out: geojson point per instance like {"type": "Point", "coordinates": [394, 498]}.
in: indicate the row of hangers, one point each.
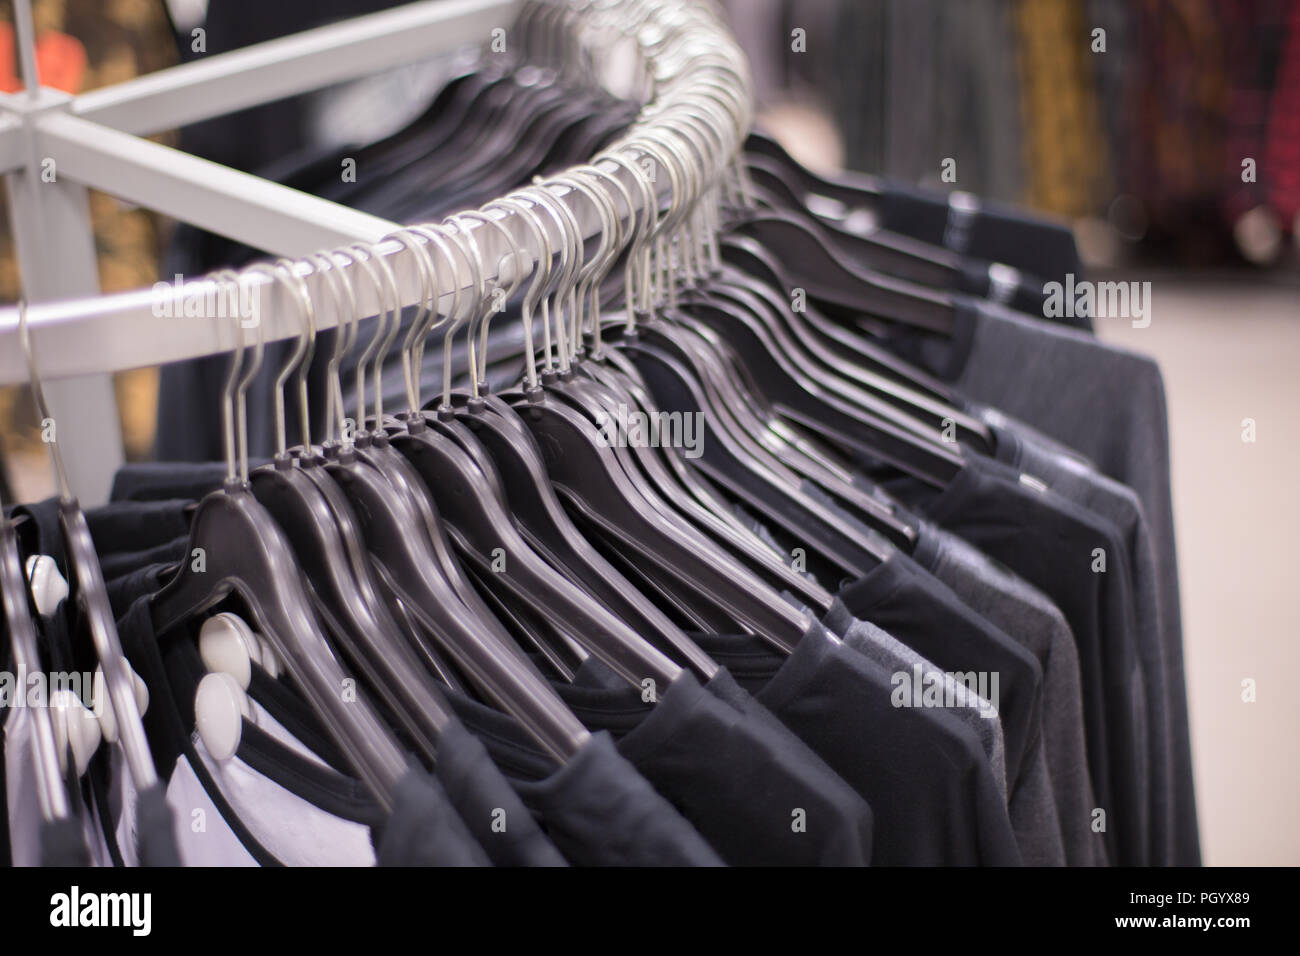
{"type": "Point", "coordinates": [485, 538]}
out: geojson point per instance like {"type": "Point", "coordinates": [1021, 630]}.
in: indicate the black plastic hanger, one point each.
{"type": "Point", "coordinates": [601, 483]}
{"type": "Point", "coordinates": [813, 265]}
{"type": "Point", "coordinates": [246, 554]}
{"type": "Point", "coordinates": [16, 614]}
{"type": "Point", "coordinates": [899, 256]}
{"type": "Point", "coordinates": [313, 516]}
{"type": "Point", "coordinates": [850, 190]}
{"type": "Point", "coordinates": [482, 527]}
{"type": "Point", "coordinates": [415, 565]}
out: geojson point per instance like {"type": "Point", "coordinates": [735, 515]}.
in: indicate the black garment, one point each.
{"type": "Point", "coordinates": [1050, 543]}
{"type": "Point", "coordinates": [480, 794]}
{"type": "Point", "coordinates": [63, 843]}
{"type": "Point", "coordinates": [596, 808]}
{"type": "Point", "coordinates": [901, 598]}
{"type": "Point", "coordinates": [155, 481]}
{"type": "Point", "coordinates": [122, 563]}
{"type": "Point", "coordinates": [124, 590]}
{"type": "Point", "coordinates": [493, 812]}
{"type": "Point", "coordinates": [906, 601]}
{"type": "Point", "coordinates": [424, 830]}
{"type": "Point", "coordinates": [114, 528]}
{"type": "Point", "coordinates": [1109, 404]}
{"type": "Point", "coordinates": [925, 775]}
{"type": "Point", "coordinates": [601, 812]}
{"type": "Point", "coordinates": [742, 780]}
{"type": "Point", "coordinates": [155, 829]}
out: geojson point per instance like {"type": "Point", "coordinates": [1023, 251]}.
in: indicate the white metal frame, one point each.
{"type": "Point", "coordinates": [54, 146]}
{"type": "Point", "coordinates": [94, 141]}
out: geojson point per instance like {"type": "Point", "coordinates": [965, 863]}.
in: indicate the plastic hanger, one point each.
{"type": "Point", "coordinates": [851, 191]}
{"type": "Point", "coordinates": [676, 484]}
{"type": "Point", "coordinates": [870, 364]}
{"type": "Point", "coordinates": [601, 408]}
{"type": "Point", "coordinates": [813, 265]}
{"type": "Point", "coordinates": [90, 597]}
{"type": "Point", "coordinates": [52, 796]}
{"type": "Point", "coordinates": [401, 539]}
{"type": "Point", "coordinates": [246, 555]}
{"type": "Point", "coordinates": [481, 526]}
{"type": "Point", "coordinates": [899, 256]}
{"type": "Point", "coordinates": [728, 459]}
{"type": "Point", "coordinates": [537, 511]}
{"type": "Point", "coordinates": [334, 564]}
{"type": "Point", "coordinates": [596, 487]}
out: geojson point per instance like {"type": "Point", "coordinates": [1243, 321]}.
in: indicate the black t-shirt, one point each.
{"type": "Point", "coordinates": [905, 600]}
{"type": "Point", "coordinates": [114, 527]}
{"type": "Point", "coordinates": [156, 828]}
{"type": "Point", "coordinates": [755, 791]}
{"type": "Point", "coordinates": [154, 481]}
{"type": "Point", "coordinates": [63, 843]}
{"type": "Point", "coordinates": [494, 813]}
{"type": "Point", "coordinates": [596, 808]}
{"type": "Point", "coordinates": [1051, 543]}
{"type": "Point", "coordinates": [117, 564]}
{"type": "Point", "coordinates": [424, 829]}
{"type": "Point", "coordinates": [925, 775]}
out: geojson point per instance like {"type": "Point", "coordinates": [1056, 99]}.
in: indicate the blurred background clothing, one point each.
{"type": "Point", "coordinates": [1169, 128]}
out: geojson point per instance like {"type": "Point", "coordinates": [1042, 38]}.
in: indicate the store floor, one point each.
{"type": "Point", "coordinates": [1228, 354]}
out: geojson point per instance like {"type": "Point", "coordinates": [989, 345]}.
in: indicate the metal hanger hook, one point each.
{"type": "Point", "coordinates": [38, 396]}
{"type": "Point", "coordinates": [634, 293]}
{"type": "Point", "coordinates": [462, 237]}
{"type": "Point", "coordinates": [541, 276]}
{"type": "Point", "coordinates": [478, 330]}
{"type": "Point", "coordinates": [428, 289]}
{"type": "Point", "coordinates": [571, 233]}
{"type": "Point", "coordinates": [345, 336]}
{"type": "Point", "coordinates": [608, 239]}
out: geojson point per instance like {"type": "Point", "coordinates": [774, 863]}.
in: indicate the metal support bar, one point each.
{"type": "Point", "coordinates": [227, 82]}
{"type": "Point", "coordinates": [263, 214]}
{"type": "Point", "coordinates": [26, 45]}
{"type": "Point", "coordinates": [166, 324]}
{"type": "Point", "coordinates": [50, 215]}
{"type": "Point", "coordinates": [83, 336]}
{"type": "Point", "coordinates": [13, 144]}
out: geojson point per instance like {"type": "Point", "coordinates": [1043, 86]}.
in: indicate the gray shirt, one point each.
{"type": "Point", "coordinates": [1108, 404]}
{"type": "Point", "coordinates": [1029, 617]}
{"type": "Point", "coordinates": [1120, 505]}
{"type": "Point", "coordinates": [895, 656]}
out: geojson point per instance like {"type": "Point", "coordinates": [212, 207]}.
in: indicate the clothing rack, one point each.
{"type": "Point", "coordinates": [95, 141]}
